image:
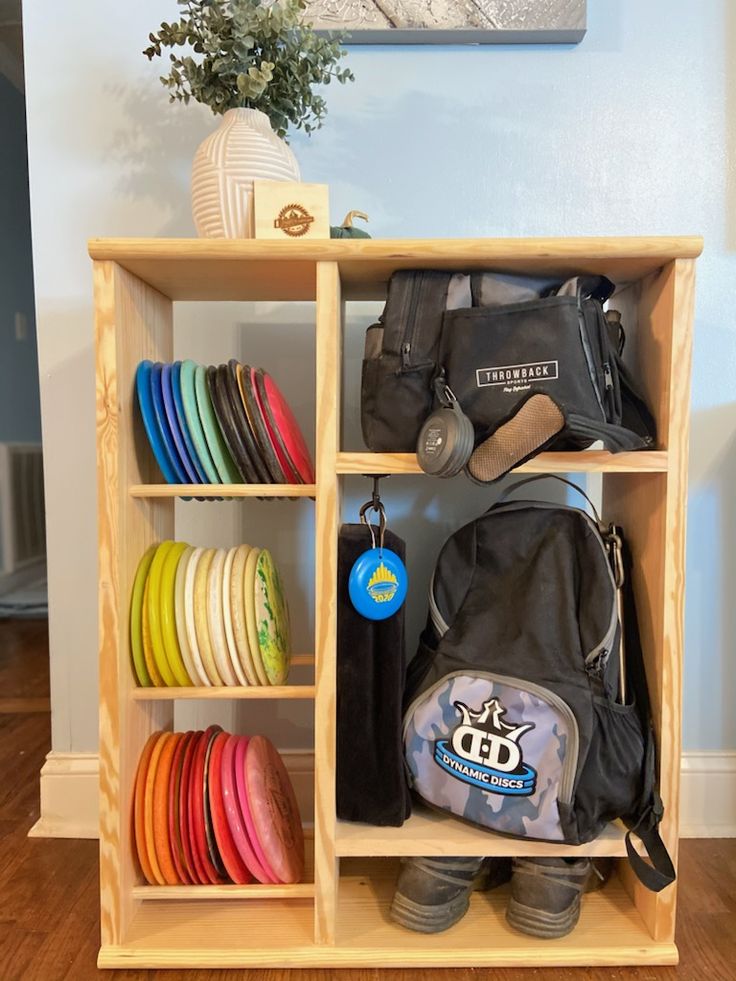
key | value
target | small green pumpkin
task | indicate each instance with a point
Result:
(347, 229)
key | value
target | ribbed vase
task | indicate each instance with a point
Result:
(242, 149)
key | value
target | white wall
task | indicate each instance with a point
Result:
(632, 132)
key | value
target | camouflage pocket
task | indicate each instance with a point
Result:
(497, 751)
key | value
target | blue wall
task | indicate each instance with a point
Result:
(631, 132)
(20, 413)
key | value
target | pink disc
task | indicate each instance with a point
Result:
(288, 427)
(233, 812)
(240, 783)
(234, 865)
(276, 823)
(292, 477)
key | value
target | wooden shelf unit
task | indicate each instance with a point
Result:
(340, 919)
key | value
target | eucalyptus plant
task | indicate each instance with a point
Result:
(249, 54)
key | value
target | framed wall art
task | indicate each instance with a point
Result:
(452, 21)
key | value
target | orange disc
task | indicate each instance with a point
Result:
(139, 810)
(161, 840)
(148, 808)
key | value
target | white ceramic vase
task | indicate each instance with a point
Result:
(242, 148)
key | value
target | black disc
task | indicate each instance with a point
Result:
(230, 376)
(226, 420)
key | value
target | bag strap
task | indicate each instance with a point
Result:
(546, 476)
(661, 872)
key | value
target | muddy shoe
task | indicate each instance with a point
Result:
(432, 894)
(546, 894)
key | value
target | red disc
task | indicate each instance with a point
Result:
(274, 810)
(236, 868)
(194, 866)
(292, 477)
(288, 428)
(177, 850)
(209, 832)
(197, 833)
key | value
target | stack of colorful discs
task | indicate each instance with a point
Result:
(209, 807)
(228, 424)
(208, 616)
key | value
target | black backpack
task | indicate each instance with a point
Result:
(494, 340)
(513, 717)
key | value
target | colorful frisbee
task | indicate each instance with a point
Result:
(194, 424)
(283, 420)
(234, 864)
(139, 819)
(209, 831)
(237, 614)
(168, 614)
(251, 621)
(193, 864)
(173, 420)
(227, 616)
(161, 840)
(175, 379)
(199, 599)
(148, 817)
(228, 426)
(274, 810)
(234, 812)
(215, 618)
(228, 377)
(189, 621)
(290, 474)
(196, 809)
(258, 425)
(148, 652)
(153, 607)
(272, 619)
(159, 411)
(242, 788)
(136, 619)
(155, 439)
(224, 465)
(175, 841)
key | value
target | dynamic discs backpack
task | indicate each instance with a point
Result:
(518, 717)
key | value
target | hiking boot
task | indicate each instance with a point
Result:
(433, 893)
(546, 894)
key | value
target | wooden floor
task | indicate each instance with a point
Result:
(48, 889)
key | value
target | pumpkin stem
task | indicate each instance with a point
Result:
(347, 221)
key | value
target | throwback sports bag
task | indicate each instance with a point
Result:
(486, 344)
(518, 717)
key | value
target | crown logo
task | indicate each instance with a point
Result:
(382, 585)
(490, 719)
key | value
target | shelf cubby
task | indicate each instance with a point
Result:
(339, 917)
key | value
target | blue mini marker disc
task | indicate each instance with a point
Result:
(377, 584)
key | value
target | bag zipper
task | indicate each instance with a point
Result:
(569, 766)
(411, 326)
(584, 340)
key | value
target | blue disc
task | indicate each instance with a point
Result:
(377, 584)
(159, 411)
(175, 379)
(145, 401)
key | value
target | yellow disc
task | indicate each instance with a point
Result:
(148, 654)
(272, 617)
(168, 614)
(215, 618)
(227, 616)
(154, 614)
(237, 613)
(200, 615)
(249, 596)
(136, 619)
(190, 625)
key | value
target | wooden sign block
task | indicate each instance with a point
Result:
(291, 211)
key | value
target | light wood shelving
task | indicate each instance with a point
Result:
(338, 918)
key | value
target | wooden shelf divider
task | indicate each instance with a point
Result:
(222, 490)
(586, 461)
(225, 692)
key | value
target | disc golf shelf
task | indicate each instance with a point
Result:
(339, 917)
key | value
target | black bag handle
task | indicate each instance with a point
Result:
(547, 476)
(661, 872)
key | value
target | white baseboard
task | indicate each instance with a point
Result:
(69, 783)
(69, 797)
(708, 795)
